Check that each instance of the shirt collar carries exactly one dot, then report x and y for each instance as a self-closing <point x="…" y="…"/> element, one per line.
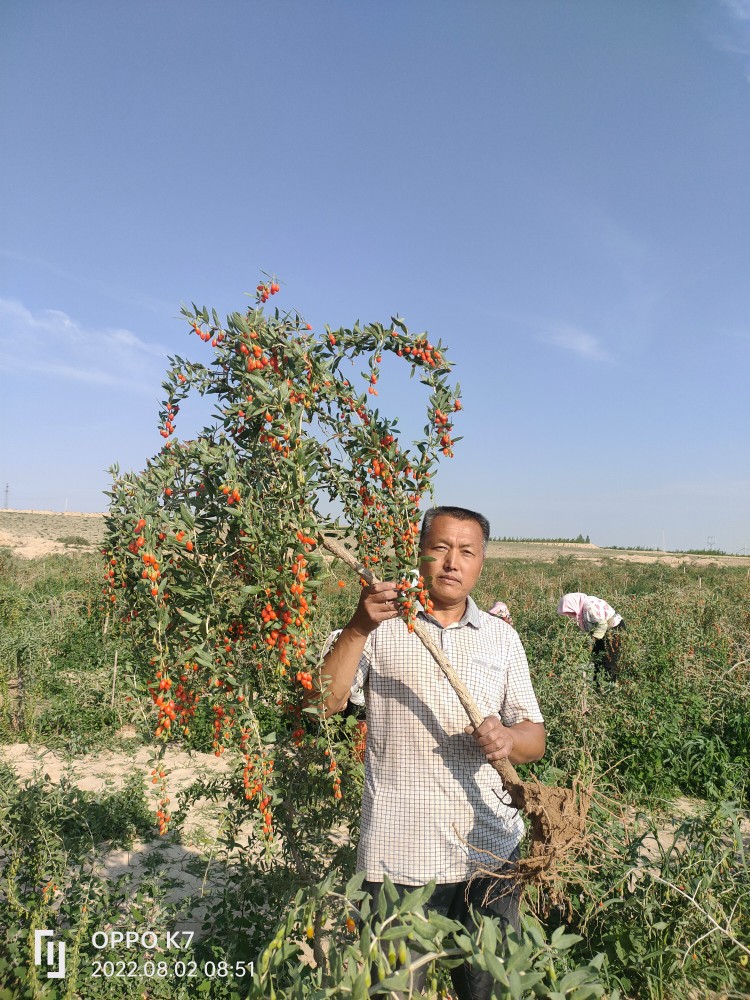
<point x="471" y="616"/>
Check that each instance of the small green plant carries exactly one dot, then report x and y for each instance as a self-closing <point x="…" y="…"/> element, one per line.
<point x="73" y="540"/>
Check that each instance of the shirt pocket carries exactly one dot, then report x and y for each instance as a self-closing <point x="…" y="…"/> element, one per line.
<point x="485" y="679"/>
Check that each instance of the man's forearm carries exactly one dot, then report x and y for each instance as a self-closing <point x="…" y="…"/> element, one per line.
<point x="529" y="742"/>
<point x="338" y="670"/>
<point x="377" y="604"/>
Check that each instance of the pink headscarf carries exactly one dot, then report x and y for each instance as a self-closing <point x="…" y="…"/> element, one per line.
<point x="500" y="610"/>
<point x="572" y="605"/>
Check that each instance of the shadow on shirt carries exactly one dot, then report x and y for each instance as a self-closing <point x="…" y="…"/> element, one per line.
<point x="463" y="758"/>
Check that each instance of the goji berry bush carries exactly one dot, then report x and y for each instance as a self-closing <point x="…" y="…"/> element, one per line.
<point x="213" y="554"/>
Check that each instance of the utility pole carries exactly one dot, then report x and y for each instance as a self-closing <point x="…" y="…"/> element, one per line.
<point x="7" y="487"/>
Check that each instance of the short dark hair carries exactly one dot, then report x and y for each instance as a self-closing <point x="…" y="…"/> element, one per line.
<point x="460" y="514"/>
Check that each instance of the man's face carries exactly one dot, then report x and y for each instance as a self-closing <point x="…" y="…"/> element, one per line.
<point x="456" y="556"/>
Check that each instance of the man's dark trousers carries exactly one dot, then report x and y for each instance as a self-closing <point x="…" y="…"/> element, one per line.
<point x="453" y="900"/>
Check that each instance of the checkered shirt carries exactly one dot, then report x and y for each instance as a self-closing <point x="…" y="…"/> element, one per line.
<point x="433" y="807"/>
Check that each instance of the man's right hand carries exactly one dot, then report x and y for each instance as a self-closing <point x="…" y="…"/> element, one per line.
<point x="377" y="603"/>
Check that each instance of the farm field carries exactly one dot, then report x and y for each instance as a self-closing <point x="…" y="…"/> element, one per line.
<point x="33" y="533"/>
<point x="658" y="902"/>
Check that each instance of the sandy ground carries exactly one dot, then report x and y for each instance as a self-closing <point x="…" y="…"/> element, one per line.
<point x="34" y="533"/>
<point x="189" y="859"/>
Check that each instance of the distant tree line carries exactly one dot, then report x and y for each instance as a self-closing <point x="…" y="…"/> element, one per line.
<point x="675" y="552"/>
<point x="580" y="540"/>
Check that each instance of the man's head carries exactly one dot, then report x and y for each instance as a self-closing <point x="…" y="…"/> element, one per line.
<point x="460" y="514"/>
<point x="452" y="546"/>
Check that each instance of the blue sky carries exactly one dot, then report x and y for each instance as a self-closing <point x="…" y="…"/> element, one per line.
<point x="560" y="191"/>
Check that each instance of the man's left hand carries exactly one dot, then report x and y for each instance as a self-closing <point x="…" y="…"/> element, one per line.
<point x="494" y="739"/>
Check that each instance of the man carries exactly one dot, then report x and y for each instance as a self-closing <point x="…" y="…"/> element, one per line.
<point x="433" y="807"/>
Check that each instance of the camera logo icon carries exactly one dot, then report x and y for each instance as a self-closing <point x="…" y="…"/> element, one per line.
<point x="55" y="966"/>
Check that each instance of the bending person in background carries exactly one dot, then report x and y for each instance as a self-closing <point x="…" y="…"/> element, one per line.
<point x="500" y="610"/>
<point x="599" y="620"/>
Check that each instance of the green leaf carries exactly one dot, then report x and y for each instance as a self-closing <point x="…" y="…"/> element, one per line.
<point x="574" y="978"/>
<point x="393" y="933"/>
<point x="189" y="616"/>
<point x="516" y="986"/>
<point x="389" y="890"/>
<point x="416" y="897"/>
<point x="534" y="932"/>
<point x="560" y="940"/>
<point x="442" y="923"/>
<point x="355" y="883"/>
<point x="590" y="992"/>
<point x="365" y="939"/>
<point x="490" y="936"/>
<point x="519" y="958"/>
<point x="496" y="968"/>
<point x="425" y="942"/>
<point x="398" y="981"/>
<point x="203" y="657"/>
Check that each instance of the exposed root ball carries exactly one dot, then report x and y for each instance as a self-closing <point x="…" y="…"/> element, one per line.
<point x="557" y="817"/>
<point x="558" y="836"/>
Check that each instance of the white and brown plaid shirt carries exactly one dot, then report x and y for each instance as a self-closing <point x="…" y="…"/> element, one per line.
<point x="433" y="807"/>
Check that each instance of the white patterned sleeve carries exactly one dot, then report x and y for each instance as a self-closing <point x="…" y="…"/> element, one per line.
<point x="519" y="704"/>
<point x="363" y="668"/>
<point x="360" y="678"/>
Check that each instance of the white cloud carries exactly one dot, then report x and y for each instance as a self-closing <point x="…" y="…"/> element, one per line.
<point x="740" y="8"/>
<point x="571" y="338"/>
<point x="51" y="343"/>
<point x="126" y="295"/>
<point x="730" y="34"/>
